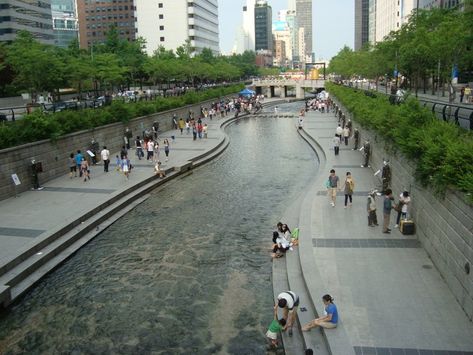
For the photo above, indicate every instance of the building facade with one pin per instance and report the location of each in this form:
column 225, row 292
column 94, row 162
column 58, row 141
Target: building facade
column 96, row 17
column 170, row 23
column 31, row 16
column 248, row 27
column 282, row 37
column 263, row 26
column 362, row 17
column 65, row 23
column 304, row 20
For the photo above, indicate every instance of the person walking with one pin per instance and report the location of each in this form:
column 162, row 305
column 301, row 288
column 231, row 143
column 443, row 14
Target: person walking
column 333, row 184
column 336, row 144
column 150, row 151
column 339, row 132
column 387, row 207
column 346, row 134
column 166, row 148
column 71, row 162
column 371, row 207
column 105, row 154
column 78, row 159
column 289, row 302
column 126, row 167
column 402, row 206
column 139, row 148
column 84, row 167
column 181, row 124
column 349, row 187
column 356, row 138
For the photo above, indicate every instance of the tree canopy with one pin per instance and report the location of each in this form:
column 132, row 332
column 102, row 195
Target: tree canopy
column 115, row 63
column 431, row 40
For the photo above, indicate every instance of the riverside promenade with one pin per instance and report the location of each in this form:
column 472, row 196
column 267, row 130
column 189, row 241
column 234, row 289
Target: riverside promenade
column 40, row 229
column 390, row 297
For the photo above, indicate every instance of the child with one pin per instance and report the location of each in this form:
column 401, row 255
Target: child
column 158, row 171
column 118, row 163
column 295, row 237
column 274, row 328
column 205, row 130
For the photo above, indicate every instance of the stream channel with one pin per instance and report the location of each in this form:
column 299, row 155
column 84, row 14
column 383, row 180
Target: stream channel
column 186, row 272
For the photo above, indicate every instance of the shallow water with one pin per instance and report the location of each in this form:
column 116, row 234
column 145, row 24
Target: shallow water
column 186, row 272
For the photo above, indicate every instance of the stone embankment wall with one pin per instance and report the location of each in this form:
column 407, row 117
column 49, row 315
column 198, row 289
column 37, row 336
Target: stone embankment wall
column 54, row 155
column 444, row 226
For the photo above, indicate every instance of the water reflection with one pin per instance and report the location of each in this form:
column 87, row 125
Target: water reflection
column 185, row 272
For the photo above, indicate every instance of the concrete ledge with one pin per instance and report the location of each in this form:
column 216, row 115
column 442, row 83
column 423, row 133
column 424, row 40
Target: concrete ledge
column 337, row 339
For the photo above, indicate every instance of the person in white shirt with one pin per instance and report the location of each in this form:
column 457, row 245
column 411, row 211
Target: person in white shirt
column 339, row 132
column 105, row 154
column 150, row 150
column 346, row 134
column 404, row 201
column 289, row 302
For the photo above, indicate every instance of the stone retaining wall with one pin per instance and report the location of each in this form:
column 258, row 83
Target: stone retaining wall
column 54, row 155
column 444, row 226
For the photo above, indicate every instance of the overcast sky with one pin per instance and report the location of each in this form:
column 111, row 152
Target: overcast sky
column 333, row 24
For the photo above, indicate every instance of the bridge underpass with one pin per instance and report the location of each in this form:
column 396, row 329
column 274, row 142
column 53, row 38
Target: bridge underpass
column 280, row 87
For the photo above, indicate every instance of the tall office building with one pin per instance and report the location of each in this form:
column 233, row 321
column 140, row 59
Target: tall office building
column 97, row 16
column 170, row 23
column 304, row 20
column 31, row 16
column 282, row 41
column 263, row 28
column 362, row 17
column 65, row 24
column 291, row 19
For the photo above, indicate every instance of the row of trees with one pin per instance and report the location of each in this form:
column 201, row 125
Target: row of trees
column 34, row 67
column 429, row 46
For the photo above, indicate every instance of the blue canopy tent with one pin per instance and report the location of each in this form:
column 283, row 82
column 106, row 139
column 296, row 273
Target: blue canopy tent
column 246, row 92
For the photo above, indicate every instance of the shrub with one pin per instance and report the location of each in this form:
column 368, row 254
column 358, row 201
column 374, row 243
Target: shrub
column 443, row 152
column 38, row 125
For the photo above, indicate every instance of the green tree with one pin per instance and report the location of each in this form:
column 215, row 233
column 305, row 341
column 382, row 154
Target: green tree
column 37, row 67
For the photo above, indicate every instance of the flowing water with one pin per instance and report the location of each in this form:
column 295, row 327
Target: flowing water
column 186, row 272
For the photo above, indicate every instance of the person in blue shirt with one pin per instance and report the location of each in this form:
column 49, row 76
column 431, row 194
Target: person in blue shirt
column 78, row 159
column 329, row 320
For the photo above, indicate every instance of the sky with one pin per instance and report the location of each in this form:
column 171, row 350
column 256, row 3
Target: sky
column 333, row 24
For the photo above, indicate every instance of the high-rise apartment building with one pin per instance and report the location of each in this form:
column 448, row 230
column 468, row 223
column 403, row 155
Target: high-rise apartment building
column 31, row 16
column 170, row 23
column 65, row 24
column 97, row 16
column 362, row 17
column 304, row 20
column 263, row 26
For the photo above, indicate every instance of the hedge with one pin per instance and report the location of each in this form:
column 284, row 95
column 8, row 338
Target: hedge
column 443, row 152
column 39, row 125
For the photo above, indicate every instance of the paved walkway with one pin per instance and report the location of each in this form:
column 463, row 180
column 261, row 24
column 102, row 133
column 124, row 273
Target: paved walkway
column 388, row 293
column 33, row 214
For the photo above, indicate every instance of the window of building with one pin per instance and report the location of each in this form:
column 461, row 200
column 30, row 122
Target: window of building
column 161, row 28
column 161, row 17
column 160, row 5
column 161, row 39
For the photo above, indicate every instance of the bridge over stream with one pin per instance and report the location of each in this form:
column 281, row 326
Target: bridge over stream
column 279, row 86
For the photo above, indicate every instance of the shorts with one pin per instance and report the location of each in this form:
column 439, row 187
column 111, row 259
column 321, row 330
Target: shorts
column 332, row 192
column 73, row 169
column 328, row 325
column 271, row 335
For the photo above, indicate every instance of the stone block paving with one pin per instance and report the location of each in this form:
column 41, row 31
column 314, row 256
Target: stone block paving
column 390, row 297
column 63, row 200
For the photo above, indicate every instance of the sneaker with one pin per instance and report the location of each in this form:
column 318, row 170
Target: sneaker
column 332, row 204
column 396, row 226
column 387, row 232
column 344, row 206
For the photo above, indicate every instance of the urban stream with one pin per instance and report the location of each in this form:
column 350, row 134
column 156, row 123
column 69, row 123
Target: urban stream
column 186, row 272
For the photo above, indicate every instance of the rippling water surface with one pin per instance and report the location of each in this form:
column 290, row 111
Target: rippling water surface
column 186, row 272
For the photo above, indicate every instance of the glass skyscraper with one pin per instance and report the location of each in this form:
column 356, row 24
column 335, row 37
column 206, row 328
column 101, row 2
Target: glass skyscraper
column 64, row 22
